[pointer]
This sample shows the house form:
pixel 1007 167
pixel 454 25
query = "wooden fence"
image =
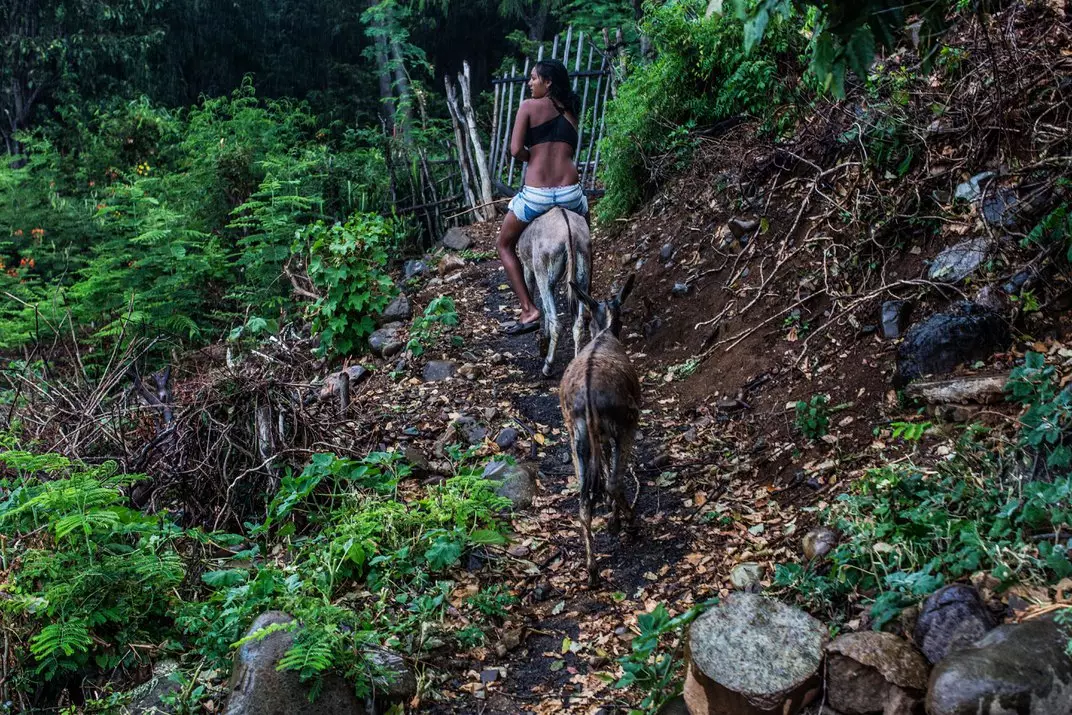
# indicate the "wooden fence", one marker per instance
pixel 594 70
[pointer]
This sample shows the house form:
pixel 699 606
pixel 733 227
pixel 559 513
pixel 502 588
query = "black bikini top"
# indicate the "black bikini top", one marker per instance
pixel 557 129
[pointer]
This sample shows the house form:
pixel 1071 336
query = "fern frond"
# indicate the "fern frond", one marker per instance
pixel 311 654
pixel 67 637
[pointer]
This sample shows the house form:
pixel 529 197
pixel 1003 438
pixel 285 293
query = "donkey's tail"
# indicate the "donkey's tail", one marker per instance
pixel 571 266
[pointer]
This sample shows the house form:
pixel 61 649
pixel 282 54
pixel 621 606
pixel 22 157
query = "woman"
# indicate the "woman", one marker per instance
pixel 545 136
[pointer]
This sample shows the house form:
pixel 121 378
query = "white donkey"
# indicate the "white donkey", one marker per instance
pixel 555 243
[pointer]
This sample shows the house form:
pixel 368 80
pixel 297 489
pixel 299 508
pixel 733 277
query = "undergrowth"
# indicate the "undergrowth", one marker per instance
pixel 357 567
pixel 908 529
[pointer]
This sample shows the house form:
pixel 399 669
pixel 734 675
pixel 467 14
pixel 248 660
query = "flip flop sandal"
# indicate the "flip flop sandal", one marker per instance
pixel 522 328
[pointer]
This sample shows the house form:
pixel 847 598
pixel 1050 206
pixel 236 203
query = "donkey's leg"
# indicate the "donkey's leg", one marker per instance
pixel 546 280
pixel 621 448
pixel 581 461
pixel 582 279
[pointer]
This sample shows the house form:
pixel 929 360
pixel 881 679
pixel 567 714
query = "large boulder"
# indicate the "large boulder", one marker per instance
pixel 257 688
pixel 965 333
pixel 518 481
pixel 1021 669
pixel 952 617
pixel 872 672
pixel 751 655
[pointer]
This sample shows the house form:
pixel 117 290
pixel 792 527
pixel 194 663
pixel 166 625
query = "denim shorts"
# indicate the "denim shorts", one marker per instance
pixel 531 201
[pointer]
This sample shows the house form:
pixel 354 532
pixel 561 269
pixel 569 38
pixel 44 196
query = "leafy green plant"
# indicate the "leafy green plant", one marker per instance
pixel 909 431
pixel 347 262
pixel 654 662
pixel 428 327
pixel 700 74
pixel 813 416
pixel 1046 422
pixel 907 531
pixel 80 563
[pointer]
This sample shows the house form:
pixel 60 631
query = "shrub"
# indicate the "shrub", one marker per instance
pixel 700 75
pixel 88 575
pixel 348 262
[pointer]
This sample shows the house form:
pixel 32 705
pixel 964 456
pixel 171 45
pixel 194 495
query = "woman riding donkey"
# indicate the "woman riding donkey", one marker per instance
pixel 545 136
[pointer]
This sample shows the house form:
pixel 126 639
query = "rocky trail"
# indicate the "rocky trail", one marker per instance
pixel 703 529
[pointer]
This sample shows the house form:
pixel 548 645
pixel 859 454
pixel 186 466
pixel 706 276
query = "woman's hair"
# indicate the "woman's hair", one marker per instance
pixel 554 72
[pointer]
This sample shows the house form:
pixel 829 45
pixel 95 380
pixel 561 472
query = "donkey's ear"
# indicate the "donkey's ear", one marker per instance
pixel 626 289
pixel 585 298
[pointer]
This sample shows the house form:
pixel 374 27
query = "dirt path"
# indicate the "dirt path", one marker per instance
pixel 556 649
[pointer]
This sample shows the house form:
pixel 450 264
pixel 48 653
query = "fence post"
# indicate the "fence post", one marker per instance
pixel 459 139
pixel 488 211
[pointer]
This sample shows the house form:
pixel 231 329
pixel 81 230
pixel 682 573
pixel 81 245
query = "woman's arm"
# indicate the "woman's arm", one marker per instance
pixel 517 137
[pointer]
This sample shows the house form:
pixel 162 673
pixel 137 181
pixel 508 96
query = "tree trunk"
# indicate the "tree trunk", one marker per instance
pixel 405 95
pixel 537 22
pixel 383 72
pixel 459 138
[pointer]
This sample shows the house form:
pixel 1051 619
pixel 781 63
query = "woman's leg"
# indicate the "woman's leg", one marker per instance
pixel 506 244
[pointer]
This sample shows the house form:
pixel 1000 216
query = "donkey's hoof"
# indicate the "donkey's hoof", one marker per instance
pixel 593 579
pixel 546 370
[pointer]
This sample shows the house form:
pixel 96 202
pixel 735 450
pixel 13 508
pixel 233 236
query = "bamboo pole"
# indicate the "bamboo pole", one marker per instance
pixel 459 139
pixel 577 61
pixel 595 113
pixel 525 73
pixel 584 103
pixel 478 150
pixel 494 136
pixel 554 48
pixel 566 49
pixel 504 140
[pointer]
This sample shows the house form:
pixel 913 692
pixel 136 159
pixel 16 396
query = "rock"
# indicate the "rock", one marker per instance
pixel 680 289
pixel 819 542
pixel 356 373
pixel 895 314
pixel 506 438
pixel 398 310
pixel 418 463
pixel 412 269
pixel 967 332
pixel 957 262
pixel 666 252
pixel 394 682
pixel 436 370
pixel 510 640
pixel 470 371
pixel 673 706
pixel 950 618
pixel 257 688
pixel 972 189
pixel 470 429
pixel 992 298
pixel 999 208
pixel 865 671
pixel 746 576
pixel 387 341
pixel 1020 669
pixel 1023 279
pixel 147 697
pixel 456 239
pixel 741 227
pixel 752 655
pixel 518 481
pixel 449 264
pixel 982 389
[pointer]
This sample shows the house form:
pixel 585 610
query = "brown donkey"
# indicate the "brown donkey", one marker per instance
pixel 600 399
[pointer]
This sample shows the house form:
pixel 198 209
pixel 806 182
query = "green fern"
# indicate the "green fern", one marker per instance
pixel 312 653
pixel 68 637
